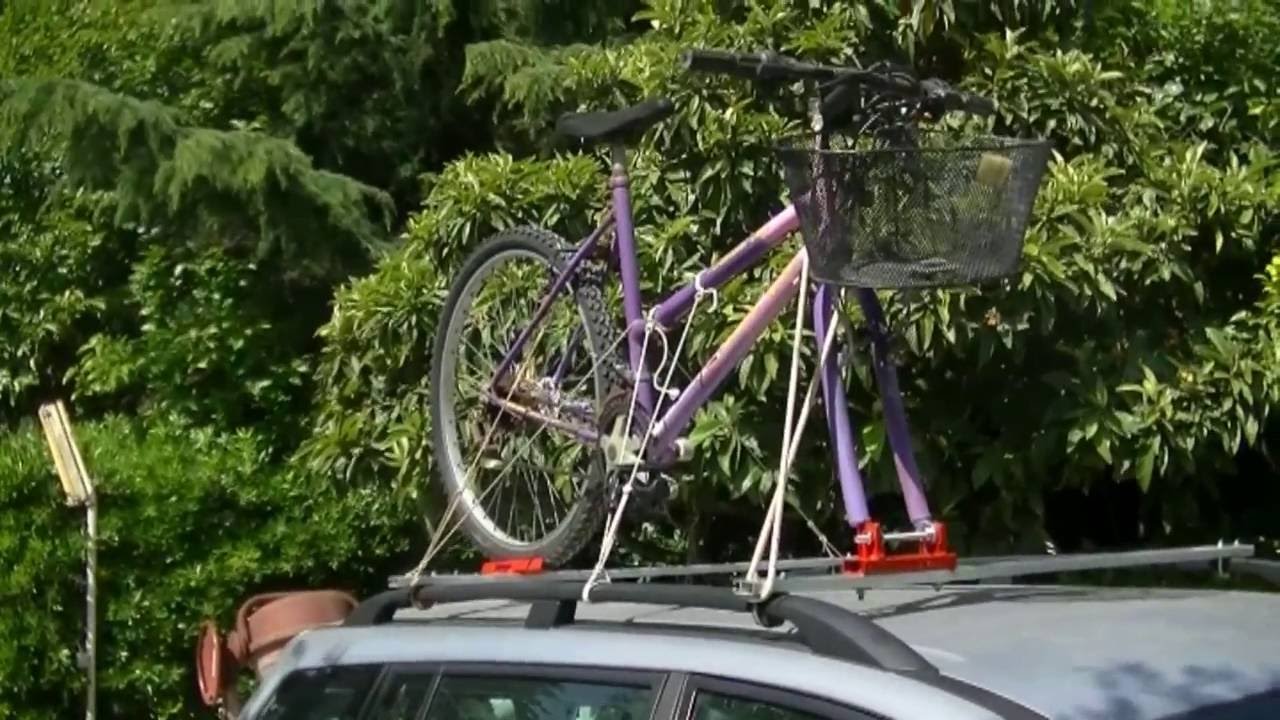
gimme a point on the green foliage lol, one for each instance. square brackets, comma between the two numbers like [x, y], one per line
[353, 82]
[1212, 64]
[181, 187]
[104, 42]
[190, 248]
[1136, 345]
[212, 342]
[175, 547]
[203, 157]
[364, 87]
[241, 188]
[53, 261]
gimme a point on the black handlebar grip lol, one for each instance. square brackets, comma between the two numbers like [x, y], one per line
[977, 104]
[707, 60]
[722, 62]
[753, 66]
[945, 98]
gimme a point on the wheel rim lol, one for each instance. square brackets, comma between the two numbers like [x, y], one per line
[524, 454]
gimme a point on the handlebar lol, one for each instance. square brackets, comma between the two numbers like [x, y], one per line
[951, 99]
[723, 62]
[772, 66]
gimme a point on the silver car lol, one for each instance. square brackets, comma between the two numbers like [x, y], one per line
[532, 650]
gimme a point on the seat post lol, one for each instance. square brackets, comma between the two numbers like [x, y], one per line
[618, 157]
[624, 234]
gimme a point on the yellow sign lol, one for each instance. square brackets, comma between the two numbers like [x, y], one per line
[66, 455]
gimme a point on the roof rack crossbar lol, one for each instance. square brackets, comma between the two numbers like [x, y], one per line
[649, 572]
[1006, 568]
[823, 627]
[817, 573]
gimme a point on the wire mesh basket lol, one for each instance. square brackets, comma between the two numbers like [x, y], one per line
[933, 213]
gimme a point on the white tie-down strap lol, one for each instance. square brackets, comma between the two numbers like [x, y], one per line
[665, 391]
[771, 528]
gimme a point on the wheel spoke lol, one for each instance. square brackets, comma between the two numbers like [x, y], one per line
[528, 458]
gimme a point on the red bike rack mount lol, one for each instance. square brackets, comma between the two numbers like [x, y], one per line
[513, 566]
[926, 550]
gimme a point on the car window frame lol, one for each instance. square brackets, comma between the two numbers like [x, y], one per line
[379, 671]
[777, 696]
[657, 681]
[389, 672]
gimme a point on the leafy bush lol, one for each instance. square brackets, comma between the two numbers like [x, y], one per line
[185, 183]
[363, 86]
[1135, 347]
[176, 547]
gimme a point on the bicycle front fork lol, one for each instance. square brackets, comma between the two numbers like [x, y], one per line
[895, 416]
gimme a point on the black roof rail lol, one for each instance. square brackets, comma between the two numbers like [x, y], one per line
[824, 628]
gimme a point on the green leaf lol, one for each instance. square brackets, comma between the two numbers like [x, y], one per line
[1146, 465]
[1219, 340]
[1103, 446]
[1251, 430]
[1107, 289]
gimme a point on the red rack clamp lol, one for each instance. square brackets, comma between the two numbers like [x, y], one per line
[512, 566]
[924, 550]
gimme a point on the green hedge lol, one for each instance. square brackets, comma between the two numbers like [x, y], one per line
[1139, 348]
[191, 524]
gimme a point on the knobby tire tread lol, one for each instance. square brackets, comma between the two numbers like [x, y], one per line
[586, 515]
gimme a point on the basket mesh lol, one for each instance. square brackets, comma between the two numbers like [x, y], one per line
[928, 216]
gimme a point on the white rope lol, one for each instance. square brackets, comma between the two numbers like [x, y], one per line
[773, 521]
[699, 291]
[615, 521]
[771, 528]
[789, 418]
[649, 327]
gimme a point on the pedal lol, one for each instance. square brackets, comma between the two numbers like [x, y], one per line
[620, 450]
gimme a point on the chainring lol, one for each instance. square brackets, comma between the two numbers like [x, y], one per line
[652, 488]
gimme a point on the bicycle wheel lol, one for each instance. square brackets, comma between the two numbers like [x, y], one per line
[514, 439]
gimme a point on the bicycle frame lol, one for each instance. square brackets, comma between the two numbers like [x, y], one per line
[675, 418]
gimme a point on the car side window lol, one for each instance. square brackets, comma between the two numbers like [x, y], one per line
[493, 697]
[331, 693]
[715, 706]
[713, 699]
[402, 695]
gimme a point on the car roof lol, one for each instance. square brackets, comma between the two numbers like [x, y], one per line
[1074, 653]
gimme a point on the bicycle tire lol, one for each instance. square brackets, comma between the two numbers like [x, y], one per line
[562, 544]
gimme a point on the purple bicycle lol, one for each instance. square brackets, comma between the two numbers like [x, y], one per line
[533, 400]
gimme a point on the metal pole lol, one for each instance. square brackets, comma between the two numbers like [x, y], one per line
[90, 606]
[78, 487]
